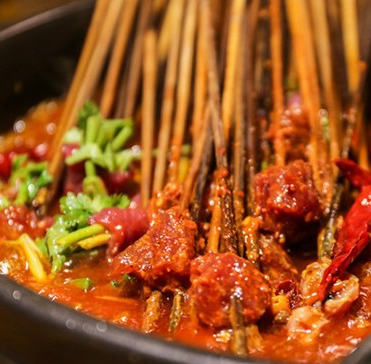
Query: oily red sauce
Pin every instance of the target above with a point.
(104, 301)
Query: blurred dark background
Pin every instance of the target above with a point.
(12, 11)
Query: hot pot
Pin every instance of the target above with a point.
(37, 59)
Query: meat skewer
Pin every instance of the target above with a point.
(307, 73)
(326, 244)
(171, 225)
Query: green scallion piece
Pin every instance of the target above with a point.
(121, 138)
(85, 284)
(92, 128)
(94, 185)
(76, 236)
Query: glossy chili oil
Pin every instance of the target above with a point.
(110, 303)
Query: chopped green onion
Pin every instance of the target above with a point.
(92, 128)
(122, 137)
(90, 169)
(94, 185)
(123, 159)
(73, 136)
(109, 158)
(83, 283)
(94, 241)
(87, 151)
(4, 202)
(22, 195)
(80, 234)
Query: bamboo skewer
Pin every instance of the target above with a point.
(353, 118)
(326, 244)
(183, 88)
(351, 45)
(323, 48)
(353, 63)
(204, 169)
(118, 54)
(168, 100)
(309, 88)
(239, 147)
(152, 312)
(126, 107)
(84, 82)
(233, 44)
(251, 132)
(228, 237)
(168, 30)
(277, 78)
(198, 151)
(200, 88)
(214, 120)
(149, 101)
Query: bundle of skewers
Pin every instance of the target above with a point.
(263, 91)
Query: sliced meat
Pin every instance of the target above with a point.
(162, 257)
(287, 201)
(215, 278)
(117, 182)
(125, 225)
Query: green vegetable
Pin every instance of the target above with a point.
(115, 283)
(129, 284)
(34, 256)
(100, 147)
(62, 239)
(99, 139)
(29, 177)
(88, 109)
(83, 283)
(73, 136)
(4, 202)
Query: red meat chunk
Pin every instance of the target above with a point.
(287, 200)
(294, 132)
(125, 225)
(16, 220)
(162, 257)
(216, 278)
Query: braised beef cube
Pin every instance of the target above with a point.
(287, 201)
(216, 278)
(293, 132)
(161, 257)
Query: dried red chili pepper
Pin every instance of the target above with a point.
(357, 176)
(354, 235)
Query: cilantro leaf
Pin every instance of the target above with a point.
(75, 213)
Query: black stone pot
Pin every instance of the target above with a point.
(37, 59)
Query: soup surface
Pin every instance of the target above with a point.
(283, 316)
